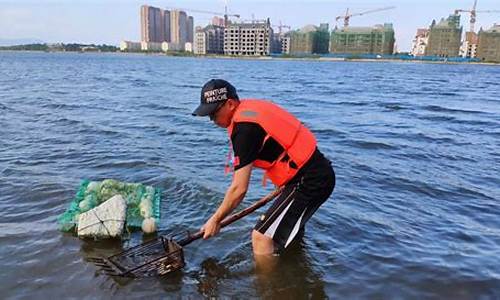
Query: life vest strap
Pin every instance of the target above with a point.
(227, 167)
(280, 157)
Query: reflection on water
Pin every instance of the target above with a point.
(101, 248)
(172, 282)
(209, 276)
(294, 265)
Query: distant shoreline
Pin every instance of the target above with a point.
(260, 58)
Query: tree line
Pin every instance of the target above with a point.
(73, 47)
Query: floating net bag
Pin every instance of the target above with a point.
(142, 201)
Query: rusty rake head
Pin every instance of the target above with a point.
(153, 258)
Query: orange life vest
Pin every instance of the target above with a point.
(297, 141)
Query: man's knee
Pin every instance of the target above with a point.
(262, 244)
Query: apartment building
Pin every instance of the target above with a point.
(445, 37)
(419, 43)
(158, 25)
(488, 48)
(250, 39)
(378, 39)
(209, 40)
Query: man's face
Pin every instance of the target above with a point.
(222, 116)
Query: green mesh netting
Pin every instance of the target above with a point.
(92, 193)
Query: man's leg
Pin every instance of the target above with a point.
(263, 251)
(262, 244)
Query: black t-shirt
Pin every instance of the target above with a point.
(247, 139)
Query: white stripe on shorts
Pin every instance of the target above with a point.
(272, 229)
(295, 229)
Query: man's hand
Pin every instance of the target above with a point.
(234, 195)
(211, 227)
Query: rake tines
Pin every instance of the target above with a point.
(156, 257)
(106, 266)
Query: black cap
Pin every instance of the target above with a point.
(213, 93)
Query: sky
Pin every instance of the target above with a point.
(111, 21)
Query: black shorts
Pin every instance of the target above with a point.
(300, 198)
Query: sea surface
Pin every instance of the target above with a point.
(416, 147)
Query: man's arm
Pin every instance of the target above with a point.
(234, 194)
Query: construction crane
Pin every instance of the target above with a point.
(348, 16)
(473, 13)
(281, 26)
(225, 14)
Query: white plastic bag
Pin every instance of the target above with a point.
(104, 221)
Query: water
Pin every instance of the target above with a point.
(415, 147)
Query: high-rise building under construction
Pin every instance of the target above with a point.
(378, 39)
(468, 48)
(488, 48)
(420, 42)
(209, 40)
(252, 38)
(445, 37)
(309, 40)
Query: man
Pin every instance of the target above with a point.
(264, 135)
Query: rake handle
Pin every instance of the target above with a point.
(234, 217)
